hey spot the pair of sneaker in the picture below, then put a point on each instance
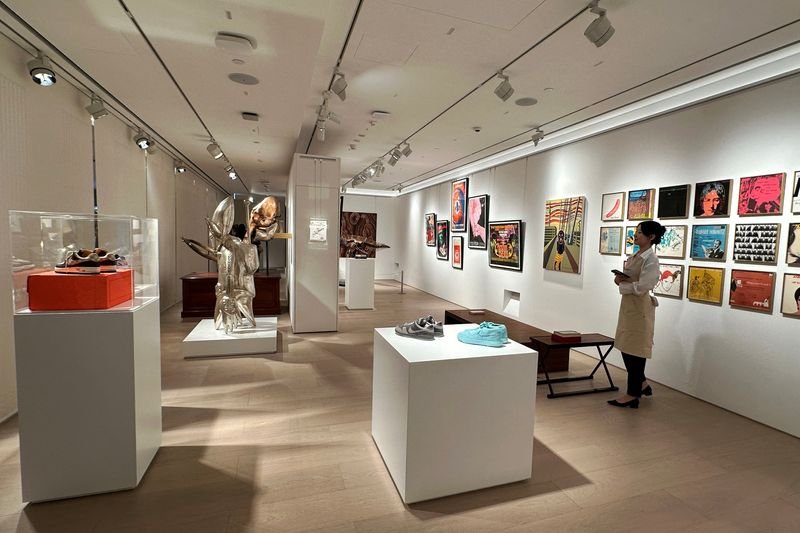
(425, 327)
(486, 334)
(85, 261)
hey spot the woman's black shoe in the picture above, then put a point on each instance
(633, 404)
(647, 391)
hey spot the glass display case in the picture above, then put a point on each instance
(88, 262)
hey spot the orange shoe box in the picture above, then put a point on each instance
(54, 291)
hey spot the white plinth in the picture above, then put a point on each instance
(89, 396)
(359, 283)
(450, 417)
(206, 341)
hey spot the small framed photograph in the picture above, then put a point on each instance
(630, 247)
(796, 194)
(430, 229)
(505, 244)
(793, 245)
(709, 242)
(673, 202)
(761, 195)
(458, 252)
(752, 290)
(756, 243)
(670, 284)
(611, 240)
(673, 243)
(640, 204)
(613, 208)
(712, 199)
(705, 284)
(458, 205)
(478, 218)
(443, 240)
(790, 303)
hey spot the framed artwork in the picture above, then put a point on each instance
(563, 234)
(705, 284)
(673, 242)
(709, 242)
(458, 204)
(443, 240)
(673, 202)
(640, 204)
(458, 252)
(611, 240)
(761, 195)
(505, 244)
(478, 215)
(430, 229)
(752, 290)
(670, 284)
(793, 245)
(630, 247)
(363, 227)
(712, 199)
(796, 194)
(613, 207)
(756, 243)
(790, 303)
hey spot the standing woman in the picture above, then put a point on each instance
(637, 312)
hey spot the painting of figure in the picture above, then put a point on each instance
(670, 281)
(563, 233)
(430, 229)
(478, 214)
(705, 284)
(505, 244)
(640, 204)
(458, 205)
(712, 199)
(443, 240)
(761, 195)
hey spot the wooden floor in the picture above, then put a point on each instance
(282, 443)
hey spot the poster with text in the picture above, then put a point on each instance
(752, 290)
(709, 242)
(761, 195)
(458, 252)
(563, 233)
(790, 303)
(505, 244)
(443, 240)
(458, 205)
(640, 204)
(430, 229)
(611, 240)
(478, 214)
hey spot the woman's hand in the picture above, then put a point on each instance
(618, 279)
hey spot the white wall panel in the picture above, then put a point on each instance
(121, 170)
(161, 205)
(194, 201)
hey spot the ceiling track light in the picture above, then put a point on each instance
(537, 136)
(504, 90)
(339, 85)
(97, 108)
(406, 151)
(180, 168)
(41, 70)
(600, 29)
(320, 133)
(394, 156)
(214, 150)
(142, 140)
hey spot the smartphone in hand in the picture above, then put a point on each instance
(619, 273)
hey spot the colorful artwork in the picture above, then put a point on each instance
(761, 195)
(712, 199)
(430, 229)
(563, 231)
(705, 284)
(443, 240)
(673, 202)
(796, 194)
(790, 303)
(630, 247)
(505, 244)
(458, 205)
(709, 242)
(640, 204)
(793, 245)
(458, 252)
(363, 227)
(611, 240)
(670, 284)
(478, 213)
(752, 290)
(673, 242)
(613, 207)
(756, 243)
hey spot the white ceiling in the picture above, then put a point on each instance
(429, 63)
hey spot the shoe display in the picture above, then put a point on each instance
(415, 330)
(438, 328)
(85, 261)
(486, 334)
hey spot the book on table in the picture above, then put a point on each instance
(566, 335)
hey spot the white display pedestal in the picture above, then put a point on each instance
(450, 417)
(206, 341)
(89, 396)
(359, 283)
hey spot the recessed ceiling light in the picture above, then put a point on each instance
(237, 61)
(548, 89)
(244, 79)
(526, 101)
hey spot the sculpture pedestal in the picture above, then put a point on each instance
(205, 341)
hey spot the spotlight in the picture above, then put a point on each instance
(339, 85)
(379, 168)
(142, 141)
(537, 136)
(214, 150)
(229, 169)
(504, 90)
(394, 156)
(232, 175)
(406, 150)
(600, 30)
(41, 70)
(180, 168)
(97, 109)
(321, 131)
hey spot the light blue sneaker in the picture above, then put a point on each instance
(487, 334)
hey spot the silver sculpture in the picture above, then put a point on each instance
(237, 259)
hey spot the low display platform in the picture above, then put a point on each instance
(206, 341)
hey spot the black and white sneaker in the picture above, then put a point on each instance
(415, 330)
(438, 328)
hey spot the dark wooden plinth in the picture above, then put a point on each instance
(199, 297)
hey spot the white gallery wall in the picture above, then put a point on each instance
(386, 262)
(744, 361)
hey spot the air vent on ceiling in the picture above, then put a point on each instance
(378, 115)
(235, 43)
(250, 116)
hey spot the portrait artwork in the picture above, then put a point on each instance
(793, 245)
(563, 233)
(611, 240)
(443, 240)
(705, 284)
(752, 290)
(790, 303)
(458, 252)
(709, 242)
(505, 244)
(712, 199)
(361, 227)
(430, 229)
(458, 205)
(670, 282)
(613, 207)
(640, 204)
(673, 202)
(630, 246)
(756, 243)
(761, 195)
(673, 242)
(478, 215)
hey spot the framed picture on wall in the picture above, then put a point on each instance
(712, 199)
(790, 303)
(430, 229)
(630, 247)
(640, 204)
(611, 240)
(673, 202)
(478, 218)
(613, 207)
(458, 204)
(443, 240)
(761, 195)
(756, 243)
(673, 243)
(752, 290)
(796, 194)
(505, 244)
(458, 252)
(563, 234)
(670, 283)
(705, 284)
(793, 245)
(709, 242)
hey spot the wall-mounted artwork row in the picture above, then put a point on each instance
(458, 205)
(505, 244)
(478, 215)
(761, 195)
(713, 199)
(430, 229)
(443, 240)
(563, 232)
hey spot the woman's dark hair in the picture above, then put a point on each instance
(651, 227)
